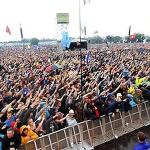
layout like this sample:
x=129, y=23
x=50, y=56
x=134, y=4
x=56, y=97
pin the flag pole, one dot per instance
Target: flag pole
x=81, y=88
x=129, y=34
x=21, y=33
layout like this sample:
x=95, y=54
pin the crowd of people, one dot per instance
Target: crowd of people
x=42, y=91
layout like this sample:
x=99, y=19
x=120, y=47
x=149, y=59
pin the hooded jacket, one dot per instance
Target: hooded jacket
x=31, y=134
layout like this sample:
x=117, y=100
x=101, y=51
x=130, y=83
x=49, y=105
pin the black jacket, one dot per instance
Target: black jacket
x=50, y=126
x=13, y=142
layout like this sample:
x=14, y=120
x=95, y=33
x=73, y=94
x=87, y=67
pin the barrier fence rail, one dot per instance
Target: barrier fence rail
x=93, y=133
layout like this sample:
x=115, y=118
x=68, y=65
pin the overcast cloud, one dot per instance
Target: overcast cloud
x=38, y=17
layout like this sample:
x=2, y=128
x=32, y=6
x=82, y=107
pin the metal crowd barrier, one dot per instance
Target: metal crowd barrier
x=94, y=133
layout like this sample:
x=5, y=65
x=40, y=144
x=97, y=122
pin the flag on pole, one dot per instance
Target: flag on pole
x=82, y=30
x=95, y=32
x=87, y=57
x=132, y=37
x=85, y=1
x=85, y=30
x=107, y=44
x=21, y=32
x=129, y=31
x=8, y=30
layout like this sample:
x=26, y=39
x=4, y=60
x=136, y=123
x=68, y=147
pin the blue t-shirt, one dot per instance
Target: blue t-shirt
x=125, y=73
x=9, y=121
x=25, y=91
x=142, y=146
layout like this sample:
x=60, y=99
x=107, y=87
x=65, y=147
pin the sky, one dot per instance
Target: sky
x=38, y=17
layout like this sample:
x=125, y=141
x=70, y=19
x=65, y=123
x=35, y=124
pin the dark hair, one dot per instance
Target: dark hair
x=10, y=112
x=29, y=119
x=10, y=129
x=141, y=136
x=23, y=134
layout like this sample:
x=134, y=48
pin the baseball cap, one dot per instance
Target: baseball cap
x=119, y=94
x=71, y=111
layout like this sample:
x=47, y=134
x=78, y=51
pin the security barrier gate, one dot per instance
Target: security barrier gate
x=88, y=134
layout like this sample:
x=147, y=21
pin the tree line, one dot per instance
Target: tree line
x=138, y=37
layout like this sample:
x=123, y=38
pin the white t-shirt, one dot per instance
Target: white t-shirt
x=71, y=121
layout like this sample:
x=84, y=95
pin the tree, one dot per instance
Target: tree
x=117, y=39
x=109, y=38
x=96, y=40
x=147, y=38
x=137, y=37
x=34, y=41
x=140, y=37
x=25, y=40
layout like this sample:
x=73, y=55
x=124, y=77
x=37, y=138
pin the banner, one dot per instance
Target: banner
x=65, y=42
x=87, y=57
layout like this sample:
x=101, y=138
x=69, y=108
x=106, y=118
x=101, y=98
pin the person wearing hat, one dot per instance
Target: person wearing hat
x=27, y=134
x=71, y=121
x=119, y=102
x=70, y=118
